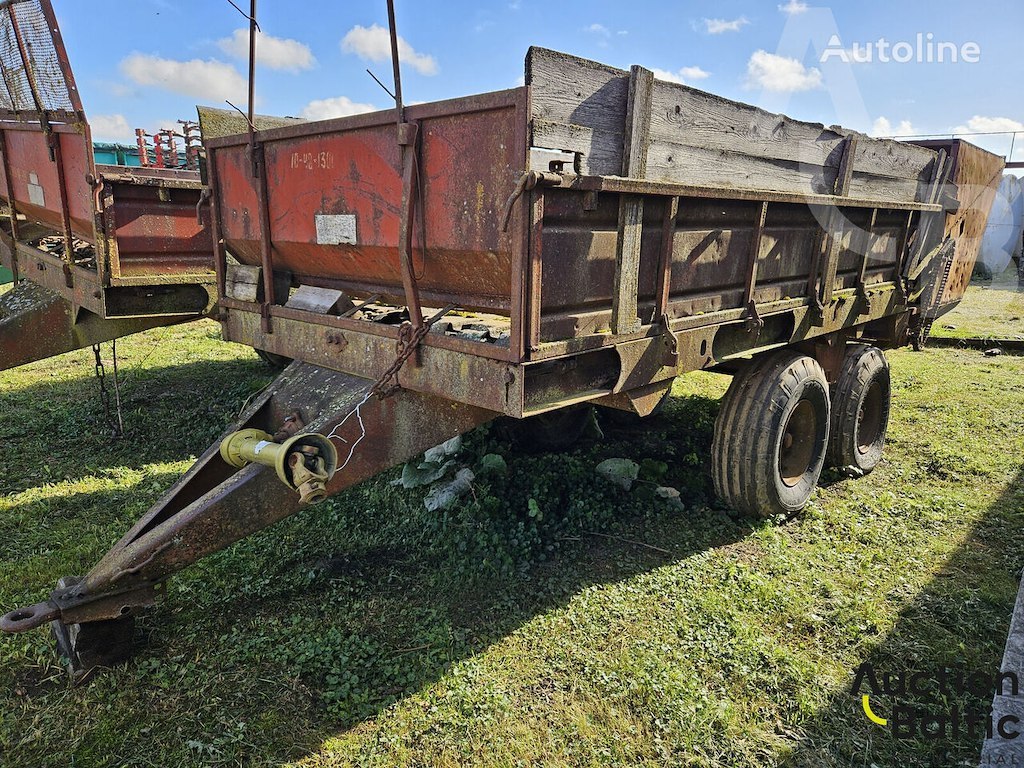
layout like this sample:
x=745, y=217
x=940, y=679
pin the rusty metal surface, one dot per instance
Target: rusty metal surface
x=147, y=262
x=155, y=233
x=36, y=323
x=638, y=186
x=723, y=274
x=141, y=223
x=710, y=269
x=214, y=505
x=347, y=175
x=553, y=270
x=973, y=184
x=452, y=373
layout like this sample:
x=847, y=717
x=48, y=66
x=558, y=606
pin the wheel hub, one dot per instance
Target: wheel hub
x=797, y=446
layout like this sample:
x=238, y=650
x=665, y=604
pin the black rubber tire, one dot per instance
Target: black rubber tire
x=771, y=435
x=277, y=362
x=860, y=411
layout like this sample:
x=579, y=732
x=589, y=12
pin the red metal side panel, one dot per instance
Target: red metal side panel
x=335, y=196
x=35, y=183
x=157, y=233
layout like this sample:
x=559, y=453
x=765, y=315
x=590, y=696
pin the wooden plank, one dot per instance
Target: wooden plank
x=243, y=282
x=638, y=123
x=676, y=163
x=215, y=122
x=845, y=173
x=631, y=207
x=322, y=301
x=700, y=138
x=627, y=265
x=574, y=91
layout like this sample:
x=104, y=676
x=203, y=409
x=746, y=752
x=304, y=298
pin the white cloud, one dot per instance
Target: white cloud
x=793, y=7
x=374, y=44
x=718, y=26
x=273, y=52
x=210, y=79
x=982, y=124
x=111, y=128
x=882, y=127
x=339, y=106
x=598, y=29
x=120, y=90
x=781, y=74
x=683, y=75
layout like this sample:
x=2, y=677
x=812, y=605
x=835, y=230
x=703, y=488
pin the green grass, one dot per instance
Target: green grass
x=990, y=309
x=367, y=631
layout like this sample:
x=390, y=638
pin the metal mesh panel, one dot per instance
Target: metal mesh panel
x=15, y=87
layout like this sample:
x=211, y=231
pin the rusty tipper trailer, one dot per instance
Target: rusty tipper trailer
x=100, y=251
x=583, y=239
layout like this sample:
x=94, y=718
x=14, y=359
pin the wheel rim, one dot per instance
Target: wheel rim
x=796, y=452
x=869, y=417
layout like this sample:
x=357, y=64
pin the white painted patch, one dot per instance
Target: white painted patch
x=259, y=447
x=35, y=192
x=335, y=229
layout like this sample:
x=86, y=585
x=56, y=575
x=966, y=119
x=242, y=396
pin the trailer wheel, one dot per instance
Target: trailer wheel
x=771, y=435
x=860, y=411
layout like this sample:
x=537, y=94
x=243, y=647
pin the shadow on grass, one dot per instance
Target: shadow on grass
x=59, y=431
x=957, y=623
x=323, y=620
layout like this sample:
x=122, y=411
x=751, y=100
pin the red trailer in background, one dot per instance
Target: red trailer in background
x=98, y=251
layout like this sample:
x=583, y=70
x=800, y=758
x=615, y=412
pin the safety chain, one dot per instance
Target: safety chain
x=408, y=341
x=116, y=425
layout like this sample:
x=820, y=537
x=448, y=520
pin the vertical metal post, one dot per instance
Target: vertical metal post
x=753, y=257
x=252, y=68
x=867, y=240
x=219, y=251
x=5, y=159
x=399, y=107
x=536, y=264
x=408, y=135
x=30, y=74
x=158, y=149
x=257, y=157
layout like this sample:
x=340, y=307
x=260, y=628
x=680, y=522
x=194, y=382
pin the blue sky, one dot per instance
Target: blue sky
x=148, y=62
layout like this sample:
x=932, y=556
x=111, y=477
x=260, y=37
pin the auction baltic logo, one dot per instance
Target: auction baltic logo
x=924, y=50
x=941, y=720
